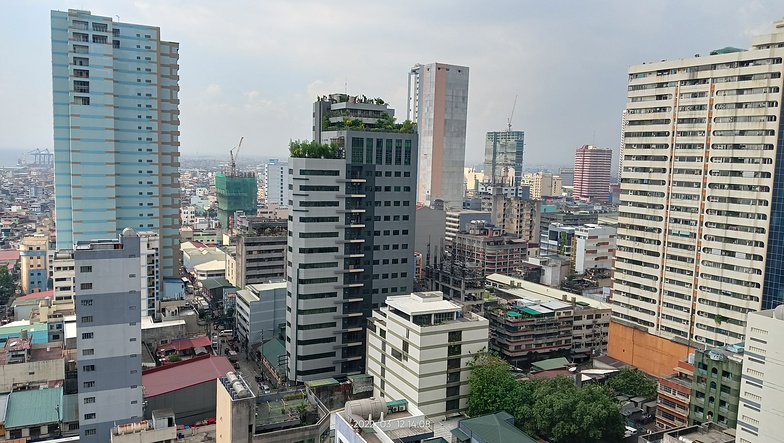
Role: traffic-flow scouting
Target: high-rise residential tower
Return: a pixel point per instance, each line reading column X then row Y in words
column 276, row 178
column 438, row 104
column 504, row 157
column 351, row 232
column 116, row 131
column 700, row 240
column 110, row 278
column 592, row 169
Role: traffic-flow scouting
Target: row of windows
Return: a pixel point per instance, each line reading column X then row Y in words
column 711, row 67
column 318, row 234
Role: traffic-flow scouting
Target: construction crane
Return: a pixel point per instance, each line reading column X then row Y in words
column 234, row 153
column 508, row 137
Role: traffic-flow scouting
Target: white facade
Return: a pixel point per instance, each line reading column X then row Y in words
column 696, row 237
column 458, row 221
column 418, row 348
column 761, row 392
column 594, row 247
column 276, row 178
column 438, row 104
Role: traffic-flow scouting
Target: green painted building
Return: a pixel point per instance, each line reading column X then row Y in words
column 715, row 390
column 238, row 192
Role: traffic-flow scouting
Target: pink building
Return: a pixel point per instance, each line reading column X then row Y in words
column 592, row 168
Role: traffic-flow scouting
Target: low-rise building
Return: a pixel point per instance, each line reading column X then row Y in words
column 704, row 433
column 187, row 387
column 715, row 393
column 418, row 349
column 161, row 428
column 260, row 312
column 490, row 248
column 490, row 428
column 375, row 420
column 25, row 365
column 593, row 248
column 34, row 414
column 33, row 251
column 590, row 321
column 674, row 397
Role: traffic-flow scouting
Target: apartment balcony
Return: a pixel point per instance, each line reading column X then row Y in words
column 351, row 209
column 349, row 270
column 352, row 179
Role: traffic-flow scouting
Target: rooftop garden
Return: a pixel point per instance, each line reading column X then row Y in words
column 314, row 149
column 384, row 123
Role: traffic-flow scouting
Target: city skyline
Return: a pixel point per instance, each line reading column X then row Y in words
column 257, row 74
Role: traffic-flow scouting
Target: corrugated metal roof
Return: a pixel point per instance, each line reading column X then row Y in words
column 70, row 409
column 33, row 407
column 3, row 404
column 494, row 428
column 172, row 377
column 322, row 382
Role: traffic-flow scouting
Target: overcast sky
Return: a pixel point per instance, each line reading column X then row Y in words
column 253, row 68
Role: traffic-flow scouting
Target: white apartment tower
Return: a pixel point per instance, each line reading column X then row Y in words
column 761, row 393
column 418, row 349
column 700, row 239
column 276, row 178
column 438, row 104
column 110, row 281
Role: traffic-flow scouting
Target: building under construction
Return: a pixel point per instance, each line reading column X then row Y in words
column 460, row 282
column 237, row 191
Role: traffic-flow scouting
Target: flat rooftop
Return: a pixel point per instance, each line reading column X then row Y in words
column 533, row 291
column 422, row 303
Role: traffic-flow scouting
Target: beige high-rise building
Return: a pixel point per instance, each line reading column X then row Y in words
column 438, row 103
column 545, row 184
column 700, row 243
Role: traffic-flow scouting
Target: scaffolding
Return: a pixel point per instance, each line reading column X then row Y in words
column 237, row 192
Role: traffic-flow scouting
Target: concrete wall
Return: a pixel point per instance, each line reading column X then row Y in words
column 189, row 405
column 430, row 225
column 651, row 354
column 31, row 372
column 156, row 336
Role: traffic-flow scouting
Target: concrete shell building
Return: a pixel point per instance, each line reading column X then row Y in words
column 699, row 242
column 438, row 104
column 504, row 157
column 116, row 131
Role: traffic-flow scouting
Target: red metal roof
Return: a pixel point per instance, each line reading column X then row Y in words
column 173, row 377
column 9, row 254
column 36, row 295
column 187, row 343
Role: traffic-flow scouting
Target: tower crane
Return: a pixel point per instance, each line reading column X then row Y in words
column 234, row 153
column 508, row 137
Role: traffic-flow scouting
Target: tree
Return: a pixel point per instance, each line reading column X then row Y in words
column 7, row 285
column 554, row 409
column 631, row 382
column 173, row 358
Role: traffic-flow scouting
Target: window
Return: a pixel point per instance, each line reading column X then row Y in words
column 88, row 302
column 87, row 319
column 90, row 416
column 89, row 432
column 85, row 286
column 88, row 384
column 318, row 172
column 88, row 368
column 86, row 352
column 81, row 86
column 398, row 152
column 88, row 400
column 87, row 335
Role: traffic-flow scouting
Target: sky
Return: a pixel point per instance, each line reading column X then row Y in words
column 253, row 68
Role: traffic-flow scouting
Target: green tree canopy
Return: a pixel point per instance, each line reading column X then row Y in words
column 631, row 382
column 7, row 285
column 554, row 409
column 313, row 149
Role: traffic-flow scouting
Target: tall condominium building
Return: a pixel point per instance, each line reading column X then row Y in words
column 351, row 228
column 699, row 242
column 116, row 131
column 261, row 251
column 418, row 348
column 236, row 191
column 592, row 169
column 276, row 178
column 624, row 120
column 504, row 157
column 438, row 104
column 109, row 284
column 761, row 392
